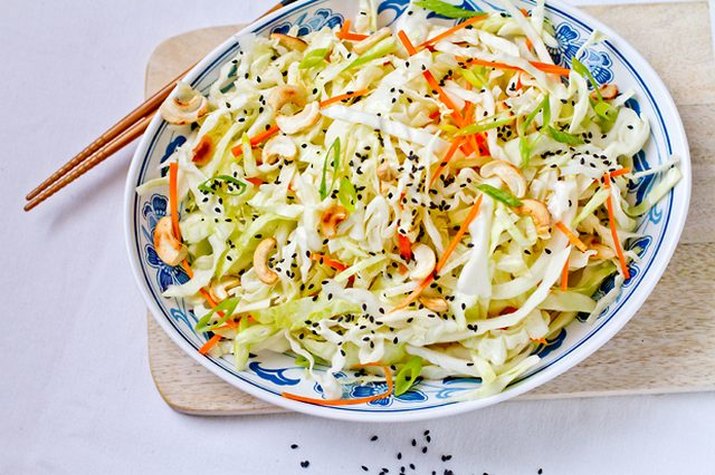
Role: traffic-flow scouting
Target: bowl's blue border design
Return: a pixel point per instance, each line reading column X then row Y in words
column 451, row 386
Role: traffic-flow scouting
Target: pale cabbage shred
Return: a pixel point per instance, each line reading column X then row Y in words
column 499, row 266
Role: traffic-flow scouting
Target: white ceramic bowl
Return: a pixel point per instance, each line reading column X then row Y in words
column 270, row 374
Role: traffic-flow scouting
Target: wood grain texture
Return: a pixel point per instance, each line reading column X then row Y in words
column 669, row 346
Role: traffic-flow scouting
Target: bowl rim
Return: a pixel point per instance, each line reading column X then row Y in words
column 577, row 354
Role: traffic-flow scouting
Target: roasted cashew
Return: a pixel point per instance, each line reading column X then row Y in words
column 425, row 261
column 608, row 92
column 436, row 304
column 290, row 42
column 282, row 95
column 219, row 290
column 385, row 172
column 260, row 261
column 292, row 124
column 539, row 213
column 331, row 219
column 184, row 107
column 508, row 173
column 276, row 147
column 169, row 249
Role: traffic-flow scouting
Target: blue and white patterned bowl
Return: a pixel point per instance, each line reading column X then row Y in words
column 270, row 374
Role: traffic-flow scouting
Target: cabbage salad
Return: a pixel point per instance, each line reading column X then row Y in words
column 419, row 201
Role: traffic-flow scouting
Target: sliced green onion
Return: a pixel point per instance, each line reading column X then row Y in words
column 313, row 58
column 475, row 76
column 525, row 147
column 543, row 105
column 335, row 149
column 226, row 306
column 407, row 376
column 381, row 49
column 446, row 9
column 603, row 109
column 347, row 194
column 563, row 137
column 483, row 125
column 580, row 68
column 499, row 195
column 207, row 186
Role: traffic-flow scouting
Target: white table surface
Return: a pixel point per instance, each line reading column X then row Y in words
column 75, row 392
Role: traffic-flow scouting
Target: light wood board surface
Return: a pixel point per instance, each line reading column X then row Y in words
column 669, row 346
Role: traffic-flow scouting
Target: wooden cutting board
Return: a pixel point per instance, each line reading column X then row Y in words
column 669, row 346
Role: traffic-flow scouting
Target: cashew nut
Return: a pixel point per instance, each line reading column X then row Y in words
column 282, row 95
column 508, row 173
column 219, row 290
column 167, row 246
column 385, row 172
column 425, row 261
column 276, row 147
column 363, row 45
column 331, row 219
column 184, row 107
column 291, row 124
column 290, row 42
column 608, row 91
column 260, row 261
column 539, row 213
column 436, row 304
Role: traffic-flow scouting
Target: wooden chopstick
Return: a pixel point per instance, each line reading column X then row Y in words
column 147, row 107
column 128, row 136
column 116, row 137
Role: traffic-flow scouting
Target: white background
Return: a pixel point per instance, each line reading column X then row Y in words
column 75, row 391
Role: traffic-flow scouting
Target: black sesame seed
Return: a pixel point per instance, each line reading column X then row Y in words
column 414, row 442
column 293, row 446
column 305, row 463
column 446, row 458
column 373, row 438
column 364, row 468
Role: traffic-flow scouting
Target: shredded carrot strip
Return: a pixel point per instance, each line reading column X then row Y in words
column 345, row 34
column 257, row 140
column 544, row 67
column 405, row 246
column 203, row 292
column 524, row 12
column 451, row 31
column 342, row 97
column 458, row 237
column 445, row 161
column 448, row 252
column 565, row 275
column 616, row 242
column 541, row 340
column 255, row 181
column 431, row 80
column 349, row 402
column 620, row 172
column 328, row 261
column 572, row 237
column 174, row 199
column 210, row 344
column 614, row 231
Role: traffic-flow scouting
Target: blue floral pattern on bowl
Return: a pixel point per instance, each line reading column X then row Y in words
column 269, row 374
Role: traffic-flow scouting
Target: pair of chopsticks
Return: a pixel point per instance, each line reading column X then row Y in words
column 119, row 135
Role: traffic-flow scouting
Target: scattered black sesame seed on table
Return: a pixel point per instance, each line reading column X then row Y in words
column 373, row 438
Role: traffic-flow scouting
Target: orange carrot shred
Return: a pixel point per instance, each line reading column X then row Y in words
column 614, row 235
column 451, row 31
column 405, row 246
column 257, row 140
column 619, row 172
column 409, row 47
column 328, row 261
column 349, row 402
column 543, row 67
column 447, row 252
column 445, row 161
column 345, row 34
column 174, row 199
column 255, row 181
column 210, row 344
column 572, row 237
column 565, row 275
column 458, row 237
column 212, row 303
column 341, row 97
